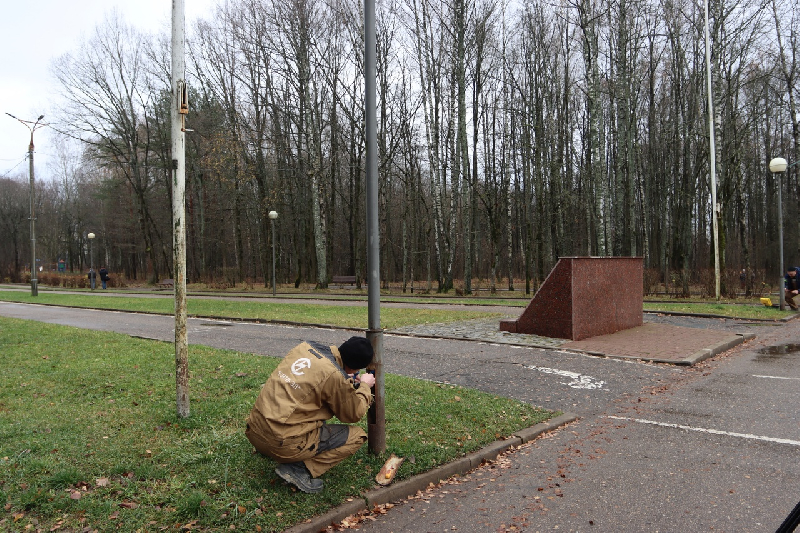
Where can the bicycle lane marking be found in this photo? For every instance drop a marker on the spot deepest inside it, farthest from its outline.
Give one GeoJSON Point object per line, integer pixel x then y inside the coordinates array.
{"type": "Point", "coordinates": [578, 381]}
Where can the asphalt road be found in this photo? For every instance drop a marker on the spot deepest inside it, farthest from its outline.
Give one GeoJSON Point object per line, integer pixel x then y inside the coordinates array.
{"type": "Point", "coordinates": [656, 448]}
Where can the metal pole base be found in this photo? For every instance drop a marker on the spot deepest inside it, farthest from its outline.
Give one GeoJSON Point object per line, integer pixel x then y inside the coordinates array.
{"type": "Point", "coordinates": [376, 416]}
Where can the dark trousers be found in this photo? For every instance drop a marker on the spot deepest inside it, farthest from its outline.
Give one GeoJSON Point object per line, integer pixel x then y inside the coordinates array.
{"type": "Point", "coordinates": [336, 442]}
{"type": "Point", "coordinates": [788, 297]}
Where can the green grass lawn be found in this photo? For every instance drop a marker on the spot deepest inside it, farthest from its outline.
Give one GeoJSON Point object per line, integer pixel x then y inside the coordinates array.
{"type": "Point", "coordinates": [90, 440]}
{"type": "Point", "coordinates": [317, 313]}
{"type": "Point", "coordinates": [356, 316]}
{"type": "Point", "coordinates": [749, 311]}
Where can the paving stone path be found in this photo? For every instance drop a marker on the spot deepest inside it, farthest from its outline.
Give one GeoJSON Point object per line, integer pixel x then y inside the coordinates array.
{"type": "Point", "coordinates": [482, 329]}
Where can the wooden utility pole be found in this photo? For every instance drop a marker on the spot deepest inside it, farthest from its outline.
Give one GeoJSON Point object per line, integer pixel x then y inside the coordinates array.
{"type": "Point", "coordinates": [712, 163]}
{"type": "Point", "coordinates": [179, 109]}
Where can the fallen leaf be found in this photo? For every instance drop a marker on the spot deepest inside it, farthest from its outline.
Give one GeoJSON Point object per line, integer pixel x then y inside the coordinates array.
{"type": "Point", "coordinates": [101, 482]}
{"type": "Point", "coordinates": [74, 495]}
{"type": "Point", "coordinates": [129, 505]}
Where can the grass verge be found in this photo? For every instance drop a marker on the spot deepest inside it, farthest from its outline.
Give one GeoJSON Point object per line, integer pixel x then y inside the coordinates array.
{"type": "Point", "coordinates": [753, 312]}
{"type": "Point", "coordinates": [317, 313]}
{"type": "Point", "coordinates": [89, 438]}
{"type": "Point", "coordinates": [351, 316]}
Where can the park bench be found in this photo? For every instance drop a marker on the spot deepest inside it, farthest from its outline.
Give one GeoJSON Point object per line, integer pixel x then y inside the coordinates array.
{"type": "Point", "coordinates": [341, 280]}
{"type": "Point", "coordinates": [166, 283]}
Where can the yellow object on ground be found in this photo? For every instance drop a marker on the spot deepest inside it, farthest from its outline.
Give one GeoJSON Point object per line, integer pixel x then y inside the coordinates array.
{"type": "Point", "coordinates": [767, 302]}
{"type": "Point", "coordinates": [387, 473]}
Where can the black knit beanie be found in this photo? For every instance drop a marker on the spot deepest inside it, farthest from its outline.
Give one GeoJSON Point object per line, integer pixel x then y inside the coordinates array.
{"type": "Point", "coordinates": [356, 352]}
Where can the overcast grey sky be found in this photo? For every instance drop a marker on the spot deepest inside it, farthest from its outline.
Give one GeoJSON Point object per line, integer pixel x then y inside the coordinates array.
{"type": "Point", "coordinates": [32, 34]}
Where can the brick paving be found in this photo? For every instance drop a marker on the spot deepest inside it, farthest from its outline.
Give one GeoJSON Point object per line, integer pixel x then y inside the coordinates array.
{"type": "Point", "coordinates": [487, 330]}
{"type": "Point", "coordinates": [662, 343]}
{"type": "Point", "coordinates": [653, 341]}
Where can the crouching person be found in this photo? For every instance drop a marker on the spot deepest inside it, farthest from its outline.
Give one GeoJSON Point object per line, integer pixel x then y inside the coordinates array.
{"type": "Point", "coordinates": [312, 384]}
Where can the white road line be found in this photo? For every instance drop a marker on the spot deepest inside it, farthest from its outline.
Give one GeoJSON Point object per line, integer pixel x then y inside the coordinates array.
{"type": "Point", "coordinates": [712, 431]}
{"type": "Point", "coordinates": [579, 381]}
{"type": "Point", "coordinates": [773, 377]}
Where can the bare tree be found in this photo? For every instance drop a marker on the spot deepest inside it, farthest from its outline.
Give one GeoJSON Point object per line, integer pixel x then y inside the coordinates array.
{"type": "Point", "coordinates": [109, 102]}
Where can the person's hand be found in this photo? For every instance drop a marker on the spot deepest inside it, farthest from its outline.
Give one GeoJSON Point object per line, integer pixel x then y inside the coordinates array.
{"type": "Point", "coordinates": [794, 292]}
{"type": "Point", "coordinates": [368, 379]}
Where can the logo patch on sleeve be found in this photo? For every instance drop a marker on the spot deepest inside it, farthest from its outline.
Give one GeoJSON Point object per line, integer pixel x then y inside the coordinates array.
{"type": "Point", "coordinates": [299, 365]}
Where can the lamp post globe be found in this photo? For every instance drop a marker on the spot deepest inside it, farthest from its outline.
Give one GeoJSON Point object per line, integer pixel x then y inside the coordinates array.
{"type": "Point", "coordinates": [778, 166]}
{"type": "Point", "coordinates": [91, 260]}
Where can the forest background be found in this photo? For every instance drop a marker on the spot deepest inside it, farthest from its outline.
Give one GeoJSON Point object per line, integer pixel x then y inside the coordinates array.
{"type": "Point", "coordinates": [511, 133]}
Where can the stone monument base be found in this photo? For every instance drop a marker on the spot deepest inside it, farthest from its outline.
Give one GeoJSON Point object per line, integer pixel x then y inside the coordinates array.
{"type": "Point", "coordinates": [584, 297]}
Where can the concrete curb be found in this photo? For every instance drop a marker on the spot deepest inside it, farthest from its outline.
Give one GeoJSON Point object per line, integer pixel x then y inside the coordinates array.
{"type": "Point", "coordinates": [409, 487]}
{"type": "Point", "coordinates": [726, 317]}
{"type": "Point", "coordinates": [718, 348]}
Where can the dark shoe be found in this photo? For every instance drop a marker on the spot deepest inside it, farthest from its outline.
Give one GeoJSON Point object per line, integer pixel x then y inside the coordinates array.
{"type": "Point", "coordinates": [298, 475]}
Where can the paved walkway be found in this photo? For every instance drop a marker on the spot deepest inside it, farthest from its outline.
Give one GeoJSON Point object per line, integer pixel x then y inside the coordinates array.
{"type": "Point", "coordinates": [657, 342]}
{"type": "Point", "coordinates": [662, 343]}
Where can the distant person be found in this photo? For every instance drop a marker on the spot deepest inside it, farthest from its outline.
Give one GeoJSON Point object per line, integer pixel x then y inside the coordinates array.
{"type": "Point", "coordinates": [311, 385]}
{"type": "Point", "coordinates": [92, 275]}
{"type": "Point", "coordinates": [791, 286]}
{"type": "Point", "coordinates": [103, 276]}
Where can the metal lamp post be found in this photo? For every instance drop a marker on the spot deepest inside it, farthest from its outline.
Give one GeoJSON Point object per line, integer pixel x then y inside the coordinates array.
{"type": "Point", "coordinates": [32, 127]}
{"type": "Point", "coordinates": [778, 166]}
{"type": "Point", "coordinates": [376, 416]}
{"type": "Point", "coordinates": [91, 261]}
{"type": "Point", "coordinates": [273, 216]}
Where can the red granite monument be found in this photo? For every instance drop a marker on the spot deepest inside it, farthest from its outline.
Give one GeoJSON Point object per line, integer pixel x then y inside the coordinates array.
{"type": "Point", "coordinates": [584, 297]}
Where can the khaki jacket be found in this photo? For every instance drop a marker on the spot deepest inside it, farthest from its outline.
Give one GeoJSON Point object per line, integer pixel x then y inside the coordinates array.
{"type": "Point", "coordinates": [308, 387]}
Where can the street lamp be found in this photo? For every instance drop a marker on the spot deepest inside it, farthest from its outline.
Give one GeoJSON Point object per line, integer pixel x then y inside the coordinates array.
{"type": "Point", "coordinates": [35, 125]}
{"type": "Point", "coordinates": [273, 216]}
{"type": "Point", "coordinates": [778, 166]}
{"type": "Point", "coordinates": [91, 260]}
